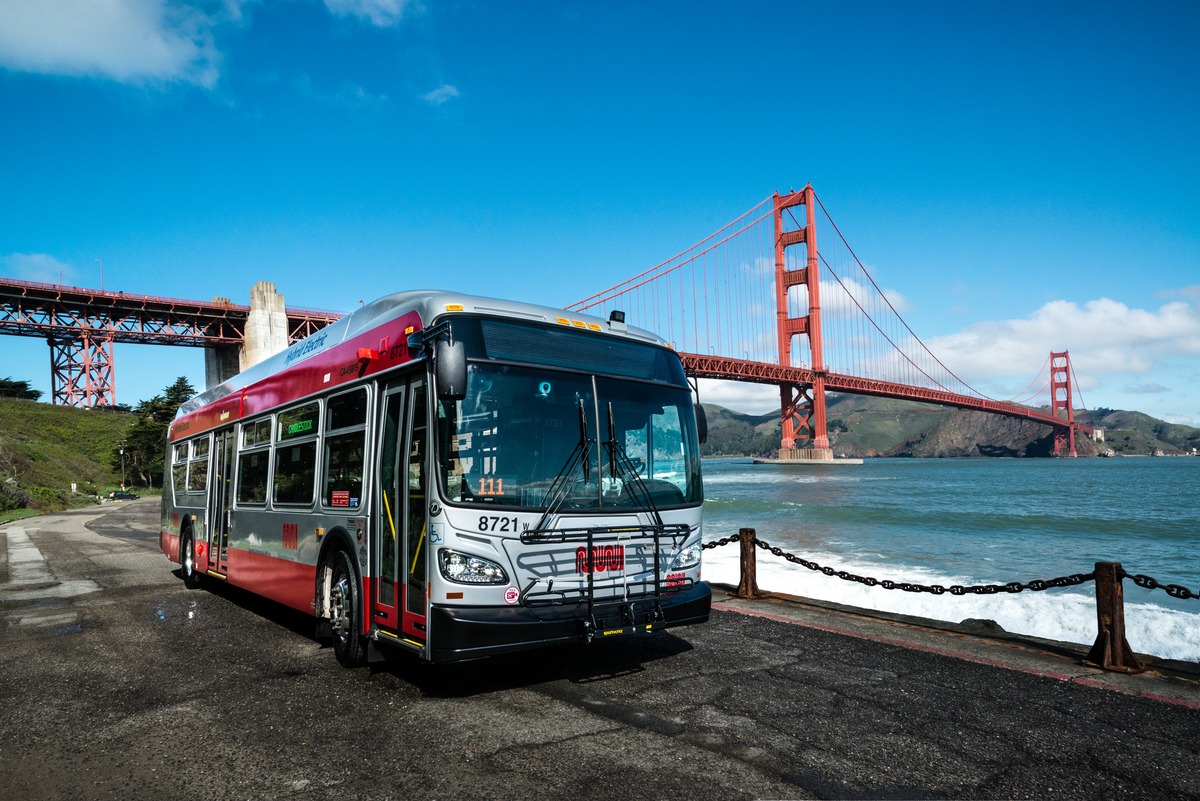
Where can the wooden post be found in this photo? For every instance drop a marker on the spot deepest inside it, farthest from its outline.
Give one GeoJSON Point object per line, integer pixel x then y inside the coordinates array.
{"type": "Point", "coordinates": [1111, 651]}
{"type": "Point", "coordinates": [748, 588]}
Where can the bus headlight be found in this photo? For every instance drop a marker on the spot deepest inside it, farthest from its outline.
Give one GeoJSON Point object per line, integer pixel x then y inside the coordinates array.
{"type": "Point", "coordinates": [688, 557]}
{"type": "Point", "coordinates": [466, 569]}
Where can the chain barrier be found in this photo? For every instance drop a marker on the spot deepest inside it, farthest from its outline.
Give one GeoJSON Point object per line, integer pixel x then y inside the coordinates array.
{"type": "Point", "coordinates": [1037, 585]}
{"type": "Point", "coordinates": [1174, 590]}
{"type": "Point", "coordinates": [1111, 650]}
{"type": "Point", "coordinates": [718, 543]}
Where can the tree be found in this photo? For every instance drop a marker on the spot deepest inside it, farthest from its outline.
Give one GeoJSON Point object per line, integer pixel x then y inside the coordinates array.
{"type": "Point", "coordinates": [18, 389]}
{"type": "Point", "coordinates": [146, 443]}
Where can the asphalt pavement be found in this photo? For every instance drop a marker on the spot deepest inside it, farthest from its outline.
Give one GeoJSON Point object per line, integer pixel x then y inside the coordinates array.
{"type": "Point", "coordinates": [120, 683]}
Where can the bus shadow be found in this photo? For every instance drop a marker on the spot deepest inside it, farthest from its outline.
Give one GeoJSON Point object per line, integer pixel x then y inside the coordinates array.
{"type": "Point", "coordinates": [294, 621]}
{"type": "Point", "coordinates": [577, 664]}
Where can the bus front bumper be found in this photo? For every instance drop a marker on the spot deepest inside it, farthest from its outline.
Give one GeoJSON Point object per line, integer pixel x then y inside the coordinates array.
{"type": "Point", "coordinates": [458, 632]}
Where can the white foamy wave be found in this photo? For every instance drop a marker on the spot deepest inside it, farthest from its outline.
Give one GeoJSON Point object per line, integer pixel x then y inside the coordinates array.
{"type": "Point", "coordinates": [1057, 614]}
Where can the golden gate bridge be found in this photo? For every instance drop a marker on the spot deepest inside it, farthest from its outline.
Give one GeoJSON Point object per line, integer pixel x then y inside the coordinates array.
{"type": "Point", "coordinates": [777, 296]}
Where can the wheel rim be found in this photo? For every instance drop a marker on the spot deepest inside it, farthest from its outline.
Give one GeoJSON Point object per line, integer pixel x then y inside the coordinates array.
{"type": "Point", "coordinates": [189, 563]}
{"type": "Point", "coordinates": [340, 594]}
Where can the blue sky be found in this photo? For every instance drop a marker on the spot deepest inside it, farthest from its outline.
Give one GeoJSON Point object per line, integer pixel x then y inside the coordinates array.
{"type": "Point", "coordinates": [1019, 174]}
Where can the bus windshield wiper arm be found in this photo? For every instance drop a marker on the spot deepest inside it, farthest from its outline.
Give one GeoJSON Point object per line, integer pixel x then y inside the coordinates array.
{"type": "Point", "coordinates": [562, 482]}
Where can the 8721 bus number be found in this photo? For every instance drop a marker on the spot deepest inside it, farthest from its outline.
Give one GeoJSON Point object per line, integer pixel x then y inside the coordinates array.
{"type": "Point", "coordinates": [494, 523]}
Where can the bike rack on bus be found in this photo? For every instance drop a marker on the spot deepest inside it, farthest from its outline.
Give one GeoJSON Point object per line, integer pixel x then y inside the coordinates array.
{"type": "Point", "coordinates": [630, 594]}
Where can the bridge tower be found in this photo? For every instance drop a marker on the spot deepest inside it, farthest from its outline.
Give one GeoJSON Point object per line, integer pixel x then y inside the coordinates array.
{"type": "Point", "coordinates": [1060, 379]}
{"type": "Point", "coordinates": [81, 370]}
{"type": "Point", "coordinates": [803, 433]}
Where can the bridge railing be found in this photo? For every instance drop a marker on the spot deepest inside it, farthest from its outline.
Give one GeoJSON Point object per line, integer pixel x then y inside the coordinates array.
{"type": "Point", "coordinates": [167, 301]}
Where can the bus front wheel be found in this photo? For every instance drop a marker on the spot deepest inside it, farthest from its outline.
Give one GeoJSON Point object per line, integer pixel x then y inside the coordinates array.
{"type": "Point", "coordinates": [348, 645]}
{"type": "Point", "coordinates": [191, 576]}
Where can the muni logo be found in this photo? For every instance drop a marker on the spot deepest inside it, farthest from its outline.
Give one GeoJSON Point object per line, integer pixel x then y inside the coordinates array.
{"type": "Point", "coordinates": [604, 557]}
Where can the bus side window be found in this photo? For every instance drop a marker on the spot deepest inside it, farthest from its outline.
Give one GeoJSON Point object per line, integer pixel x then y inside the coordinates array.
{"type": "Point", "coordinates": [254, 468]}
{"type": "Point", "coordinates": [296, 462]}
{"type": "Point", "coordinates": [198, 469]}
{"type": "Point", "coordinates": [179, 469]}
{"type": "Point", "coordinates": [345, 450]}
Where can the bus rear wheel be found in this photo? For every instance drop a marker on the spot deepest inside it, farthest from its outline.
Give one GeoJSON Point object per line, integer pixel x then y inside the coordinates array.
{"type": "Point", "coordinates": [191, 576]}
{"type": "Point", "coordinates": [348, 645]}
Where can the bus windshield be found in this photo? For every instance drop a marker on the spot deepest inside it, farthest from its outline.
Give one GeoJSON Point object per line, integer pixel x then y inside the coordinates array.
{"type": "Point", "coordinates": [519, 427]}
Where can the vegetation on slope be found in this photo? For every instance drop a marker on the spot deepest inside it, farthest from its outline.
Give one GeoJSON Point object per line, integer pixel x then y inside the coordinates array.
{"type": "Point", "coordinates": [1134, 432]}
{"type": "Point", "coordinates": [861, 426]}
{"type": "Point", "coordinates": [51, 446]}
{"type": "Point", "coordinates": [45, 448]}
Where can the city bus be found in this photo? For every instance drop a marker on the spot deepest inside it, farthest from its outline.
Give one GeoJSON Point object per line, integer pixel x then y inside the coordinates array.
{"type": "Point", "coordinates": [451, 476]}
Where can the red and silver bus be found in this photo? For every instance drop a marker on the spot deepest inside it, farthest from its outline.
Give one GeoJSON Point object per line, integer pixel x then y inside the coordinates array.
{"type": "Point", "coordinates": [452, 476]}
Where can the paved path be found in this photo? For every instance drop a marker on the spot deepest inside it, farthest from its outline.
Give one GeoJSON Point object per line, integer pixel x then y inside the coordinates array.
{"type": "Point", "coordinates": [120, 683]}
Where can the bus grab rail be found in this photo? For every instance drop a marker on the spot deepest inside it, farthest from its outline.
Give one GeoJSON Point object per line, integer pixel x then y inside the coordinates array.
{"type": "Point", "coordinates": [632, 592]}
{"type": "Point", "coordinates": [551, 536]}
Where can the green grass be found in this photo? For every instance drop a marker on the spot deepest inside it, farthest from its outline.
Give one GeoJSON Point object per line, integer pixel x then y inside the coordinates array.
{"type": "Point", "coordinates": [48, 448]}
{"type": "Point", "coordinates": [18, 514]}
{"type": "Point", "coordinates": [53, 446]}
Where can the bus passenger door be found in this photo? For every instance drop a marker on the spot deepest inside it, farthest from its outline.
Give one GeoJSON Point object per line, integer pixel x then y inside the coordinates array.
{"type": "Point", "coordinates": [220, 499]}
{"type": "Point", "coordinates": [417, 553]}
{"type": "Point", "coordinates": [389, 509]}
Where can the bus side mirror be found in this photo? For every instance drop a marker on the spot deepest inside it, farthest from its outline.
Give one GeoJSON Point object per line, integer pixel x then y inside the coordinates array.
{"type": "Point", "coordinates": [701, 424]}
{"type": "Point", "coordinates": [450, 370]}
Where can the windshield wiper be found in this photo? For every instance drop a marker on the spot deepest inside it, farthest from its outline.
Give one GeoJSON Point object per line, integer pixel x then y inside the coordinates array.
{"type": "Point", "coordinates": [618, 456]}
{"type": "Point", "coordinates": [562, 482]}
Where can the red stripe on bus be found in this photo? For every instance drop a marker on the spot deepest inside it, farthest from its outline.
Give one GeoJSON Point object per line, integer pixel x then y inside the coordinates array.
{"type": "Point", "coordinates": [305, 378]}
{"type": "Point", "coordinates": [290, 583]}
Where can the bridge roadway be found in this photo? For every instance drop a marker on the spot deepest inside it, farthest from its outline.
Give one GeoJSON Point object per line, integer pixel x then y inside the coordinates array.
{"type": "Point", "coordinates": [120, 683]}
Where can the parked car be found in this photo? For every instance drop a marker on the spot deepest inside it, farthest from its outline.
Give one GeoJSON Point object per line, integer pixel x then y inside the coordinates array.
{"type": "Point", "coordinates": [122, 496]}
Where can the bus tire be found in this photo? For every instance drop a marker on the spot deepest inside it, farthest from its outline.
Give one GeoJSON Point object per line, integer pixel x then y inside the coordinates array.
{"type": "Point", "coordinates": [187, 561]}
{"type": "Point", "coordinates": [348, 644]}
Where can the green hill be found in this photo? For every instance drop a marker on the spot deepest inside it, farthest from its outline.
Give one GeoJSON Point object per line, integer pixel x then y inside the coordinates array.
{"type": "Point", "coordinates": [1137, 433]}
{"type": "Point", "coordinates": [47, 446]}
{"type": "Point", "coordinates": [861, 426]}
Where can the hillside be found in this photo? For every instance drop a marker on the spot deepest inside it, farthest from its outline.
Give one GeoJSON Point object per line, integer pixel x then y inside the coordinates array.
{"type": "Point", "coordinates": [1134, 432]}
{"type": "Point", "coordinates": [861, 426]}
{"type": "Point", "coordinates": [42, 445]}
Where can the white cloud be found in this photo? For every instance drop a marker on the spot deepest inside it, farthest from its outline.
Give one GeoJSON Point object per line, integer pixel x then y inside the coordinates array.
{"type": "Point", "coordinates": [1192, 292]}
{"type": "Point", "coordinates": [440, 95]}
{"type": "Point", "coordinates": [1104, 337]}
{"type": "Point", "coordinates": [1147, 389]}
{"type": "Point", "coordinates": [741, 397]}
{"type": "Point", "coordinates": [842, 296]}
{"type": "Point", "coordinates": [38, 267]}
{"type": "Point", "coordinates": [130, 41]}
{"type": "Point", "coordinates": [381, 13]}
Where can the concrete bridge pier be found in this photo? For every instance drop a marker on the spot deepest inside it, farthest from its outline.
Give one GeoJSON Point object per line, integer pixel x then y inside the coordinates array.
{"type": "Point", "coordinates": [265, 334]}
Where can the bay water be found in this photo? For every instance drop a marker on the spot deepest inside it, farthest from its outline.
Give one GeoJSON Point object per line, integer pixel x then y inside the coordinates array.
{"type": "Point", "coordinates": [974, 521]}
